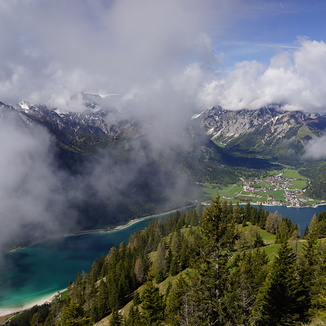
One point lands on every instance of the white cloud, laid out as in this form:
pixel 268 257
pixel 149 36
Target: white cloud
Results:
pixel 30 187
pixel 155 54
pixel 52 50
pixel 295 78
pixel 315 149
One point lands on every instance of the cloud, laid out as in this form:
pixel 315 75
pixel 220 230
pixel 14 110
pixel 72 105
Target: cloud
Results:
pixel 315 149
pixel 154 55
pixel 54 50
pixel 31 191
pixel 157 57
pixel 294 78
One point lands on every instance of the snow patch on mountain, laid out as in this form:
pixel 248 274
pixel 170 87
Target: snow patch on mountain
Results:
pixel 24 105
pixel 272 123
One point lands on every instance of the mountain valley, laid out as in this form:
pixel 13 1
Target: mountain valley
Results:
pixel 111 170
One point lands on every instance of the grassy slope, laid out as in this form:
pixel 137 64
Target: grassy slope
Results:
pixel 230 191
pixel 270 248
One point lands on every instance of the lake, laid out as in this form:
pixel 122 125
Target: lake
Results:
pixel 300 216
pixel 33 272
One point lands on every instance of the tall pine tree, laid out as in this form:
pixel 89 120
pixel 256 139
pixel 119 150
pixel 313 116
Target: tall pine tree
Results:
pixel 282 301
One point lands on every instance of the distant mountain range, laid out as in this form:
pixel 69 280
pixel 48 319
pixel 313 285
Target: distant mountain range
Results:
pixel 269 131
pixel 121 176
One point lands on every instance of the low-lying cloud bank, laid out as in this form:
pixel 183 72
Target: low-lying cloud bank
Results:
pixel 315 149
pixel 152 55
pixel 31 192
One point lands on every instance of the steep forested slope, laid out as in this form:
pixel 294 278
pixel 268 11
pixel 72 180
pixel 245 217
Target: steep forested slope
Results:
pixel 316 171
pixel 200 268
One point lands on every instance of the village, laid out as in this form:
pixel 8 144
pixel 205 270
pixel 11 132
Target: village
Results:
pixel 275 190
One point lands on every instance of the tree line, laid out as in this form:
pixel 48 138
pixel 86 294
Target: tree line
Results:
pixel 200 267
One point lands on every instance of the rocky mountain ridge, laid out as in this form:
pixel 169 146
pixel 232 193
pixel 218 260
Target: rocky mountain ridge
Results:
pixel 224 124
pixel 261 129
pixel 112 172
pixel 76 125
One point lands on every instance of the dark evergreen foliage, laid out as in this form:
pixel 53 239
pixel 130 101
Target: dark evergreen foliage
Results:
pixel 283 298
pixel 219 278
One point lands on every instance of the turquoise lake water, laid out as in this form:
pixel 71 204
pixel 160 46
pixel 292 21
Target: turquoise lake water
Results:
pixel 46 268
pixel 300 216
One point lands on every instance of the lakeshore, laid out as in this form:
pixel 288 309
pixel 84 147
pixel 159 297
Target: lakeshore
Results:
pixel 279 188
pixel 51 264
pixel 44 265
pixel 12 311
pixel 105 230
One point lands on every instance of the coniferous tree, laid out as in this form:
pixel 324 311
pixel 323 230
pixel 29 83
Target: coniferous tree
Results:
pixel 139 270
pixel 174 302
pixel 220 232
pixel 175 242
pixel 306 231
pixel 199 212
pixel 160 262
pixel 262 215
pixel 318 289
pixel 134 317
pixel 249 271
pixel 285 230
pixel 174 266
pixel 310 272
pixel 116 318
pixel 237 213
pixel 220 288
pixel 72 316
pixel 273 221
pixel 282 301
pixel 152 305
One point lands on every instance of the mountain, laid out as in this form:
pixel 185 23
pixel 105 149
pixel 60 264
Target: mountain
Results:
pixel 73 125
pixel 104 169
pixel 228 264
pixel 112 170
pixel 81 136
pixel 269 131
pixel 76 134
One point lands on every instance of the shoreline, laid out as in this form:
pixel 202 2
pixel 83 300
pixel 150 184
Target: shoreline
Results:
pixel 49 297
pixel 271 205
pixel 136 220
pixel 37 302
pixel 139 219
pixel 95 231
pixel 13 310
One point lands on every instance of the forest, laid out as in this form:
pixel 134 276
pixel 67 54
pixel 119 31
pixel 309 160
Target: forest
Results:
pixel 219 265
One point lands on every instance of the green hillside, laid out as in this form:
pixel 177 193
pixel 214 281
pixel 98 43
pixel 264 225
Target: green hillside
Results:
pixel 227 264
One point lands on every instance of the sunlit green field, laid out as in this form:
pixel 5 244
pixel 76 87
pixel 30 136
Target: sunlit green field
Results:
pixel 298 184
pixel 235 192
pixel 294 174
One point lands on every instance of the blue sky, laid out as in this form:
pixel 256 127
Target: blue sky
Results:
pixel 234 53
pixel 264 28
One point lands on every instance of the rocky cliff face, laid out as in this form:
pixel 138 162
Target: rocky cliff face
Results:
pixel 223 124
pixel 77 125
pixel 255 129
